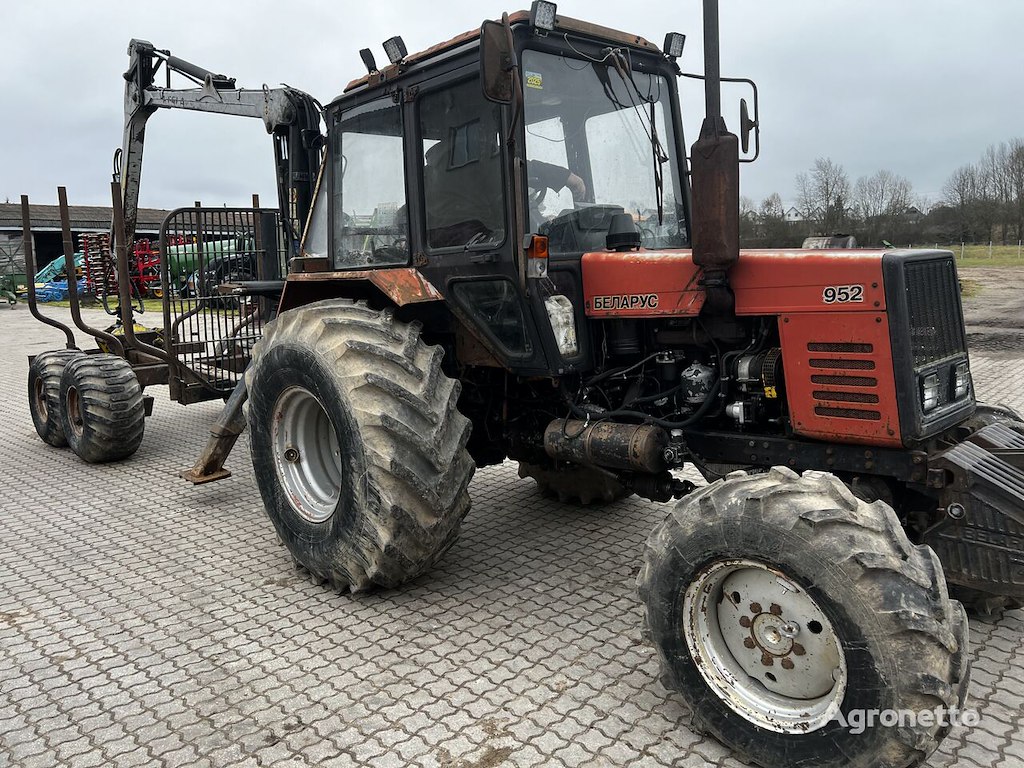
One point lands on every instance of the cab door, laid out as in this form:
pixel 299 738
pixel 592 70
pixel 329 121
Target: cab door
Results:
pixel 464 238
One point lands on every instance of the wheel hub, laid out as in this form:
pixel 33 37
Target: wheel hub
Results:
pixel 74 410
pixel 307 454
pixel 764 646
pixel 39 394
pixel 772 634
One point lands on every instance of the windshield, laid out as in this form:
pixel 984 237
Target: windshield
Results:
pixel 599 141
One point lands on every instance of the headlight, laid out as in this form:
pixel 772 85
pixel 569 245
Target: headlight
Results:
pixel 563 323
pixel 961 380
pixel 930 391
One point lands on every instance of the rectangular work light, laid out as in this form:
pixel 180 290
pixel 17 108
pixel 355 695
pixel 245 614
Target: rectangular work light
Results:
pixel 542 15
pixel 395 48
pixel 674 42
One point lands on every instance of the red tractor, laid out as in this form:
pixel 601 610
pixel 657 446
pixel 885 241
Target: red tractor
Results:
pixel 501 258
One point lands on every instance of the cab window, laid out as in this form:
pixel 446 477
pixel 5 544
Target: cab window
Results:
pixel 370 220
pixel 464 204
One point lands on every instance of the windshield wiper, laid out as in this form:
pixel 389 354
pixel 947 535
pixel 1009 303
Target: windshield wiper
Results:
pixel 660 156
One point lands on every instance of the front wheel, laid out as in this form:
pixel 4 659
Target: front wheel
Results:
pixel 359 451
pixel 797 621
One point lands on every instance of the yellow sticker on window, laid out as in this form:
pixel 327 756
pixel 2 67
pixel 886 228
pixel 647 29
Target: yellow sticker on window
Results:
pixel 535 80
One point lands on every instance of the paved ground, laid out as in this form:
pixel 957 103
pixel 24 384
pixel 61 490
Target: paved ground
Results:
pixel 144 621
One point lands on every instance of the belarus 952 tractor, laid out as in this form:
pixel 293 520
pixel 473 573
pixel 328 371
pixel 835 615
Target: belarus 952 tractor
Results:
pixel 499 249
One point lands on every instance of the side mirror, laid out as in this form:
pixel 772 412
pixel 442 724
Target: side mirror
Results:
pixel 497 62
pixel 747 125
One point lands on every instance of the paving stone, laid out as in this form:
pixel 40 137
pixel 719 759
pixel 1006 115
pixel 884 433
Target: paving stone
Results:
pixel 147 621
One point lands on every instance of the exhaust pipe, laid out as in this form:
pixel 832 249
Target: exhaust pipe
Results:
pixel 715 173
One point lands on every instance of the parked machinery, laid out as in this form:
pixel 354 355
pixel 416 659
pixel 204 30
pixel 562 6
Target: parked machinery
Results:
pixel 502 258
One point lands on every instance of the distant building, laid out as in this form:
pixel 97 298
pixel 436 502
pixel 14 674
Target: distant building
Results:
pixel 47 241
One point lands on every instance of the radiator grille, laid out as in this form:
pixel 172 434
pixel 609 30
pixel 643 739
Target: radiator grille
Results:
pixel 935 322
pixel 849 365
pixel 845 397
pixel 847 413
pixel 839 346
pixel 847 393
pixel 844 381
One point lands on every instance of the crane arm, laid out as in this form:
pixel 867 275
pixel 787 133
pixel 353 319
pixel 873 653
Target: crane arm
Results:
pixel 291 116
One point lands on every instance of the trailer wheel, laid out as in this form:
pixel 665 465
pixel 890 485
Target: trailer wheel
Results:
pixel 572 483
pixel 44 401
pixel 102 413
pixel 359 451
pixel 787 612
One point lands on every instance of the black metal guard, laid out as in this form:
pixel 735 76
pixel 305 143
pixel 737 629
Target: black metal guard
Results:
pixel 30 270
pixel 113 343
pixel 210 327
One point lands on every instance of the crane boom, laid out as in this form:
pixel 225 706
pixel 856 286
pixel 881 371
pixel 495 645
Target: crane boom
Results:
pixel 291 116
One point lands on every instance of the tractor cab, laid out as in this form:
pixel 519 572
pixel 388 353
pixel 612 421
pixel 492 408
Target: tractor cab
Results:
pixel 426 168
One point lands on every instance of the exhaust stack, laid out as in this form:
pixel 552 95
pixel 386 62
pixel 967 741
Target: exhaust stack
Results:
pixel 715 174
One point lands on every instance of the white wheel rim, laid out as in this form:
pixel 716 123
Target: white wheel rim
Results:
pixel 764 647
pixel 306 454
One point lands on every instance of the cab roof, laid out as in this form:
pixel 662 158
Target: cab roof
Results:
pixel 562 23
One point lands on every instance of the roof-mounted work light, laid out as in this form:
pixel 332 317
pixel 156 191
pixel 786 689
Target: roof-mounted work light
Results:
pixel 542 15
pixel 368 61
pixel 395 48
pixel 674 42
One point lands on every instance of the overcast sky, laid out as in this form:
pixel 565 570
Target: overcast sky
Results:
pixel 918 87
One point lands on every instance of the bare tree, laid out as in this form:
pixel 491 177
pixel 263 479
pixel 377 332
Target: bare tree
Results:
pixel 995 171
pixel 823 194
pixel 748 222
pixel 1015 170
pixel 961 192
pixel 880 202
pixel 775 230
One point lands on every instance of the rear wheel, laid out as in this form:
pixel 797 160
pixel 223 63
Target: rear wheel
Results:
pixel 103 414
pixel 786 612
pixel 44 394
pixel 359 451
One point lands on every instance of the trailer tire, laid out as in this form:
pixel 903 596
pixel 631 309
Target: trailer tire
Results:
pixel 102 413
pixel 817 568
pixel 358 447
pixel 44 400
pixel 572 483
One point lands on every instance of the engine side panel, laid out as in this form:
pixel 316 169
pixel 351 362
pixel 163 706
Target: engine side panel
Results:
pixel 840 383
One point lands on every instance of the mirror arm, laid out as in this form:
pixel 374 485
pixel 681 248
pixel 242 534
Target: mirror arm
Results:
pixel 755 123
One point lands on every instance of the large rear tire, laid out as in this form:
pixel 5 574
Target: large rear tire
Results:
pixel 44 401
pixel 786 611
pixel 359 451
pixel 103 415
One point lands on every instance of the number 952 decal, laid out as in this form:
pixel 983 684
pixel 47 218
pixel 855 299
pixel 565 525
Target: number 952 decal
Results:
pixel 842 294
